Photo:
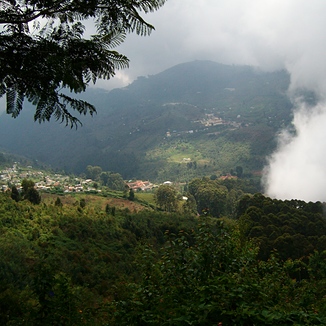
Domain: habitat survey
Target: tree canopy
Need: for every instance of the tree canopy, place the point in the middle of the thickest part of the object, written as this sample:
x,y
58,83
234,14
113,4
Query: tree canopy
x,y
45,49
166,198
211,277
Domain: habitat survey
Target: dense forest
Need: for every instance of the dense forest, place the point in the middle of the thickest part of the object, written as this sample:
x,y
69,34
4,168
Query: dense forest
x,y
225,256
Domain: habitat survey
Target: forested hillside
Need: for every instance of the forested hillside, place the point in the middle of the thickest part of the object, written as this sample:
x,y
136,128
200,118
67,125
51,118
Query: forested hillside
x,y
214,117
86,259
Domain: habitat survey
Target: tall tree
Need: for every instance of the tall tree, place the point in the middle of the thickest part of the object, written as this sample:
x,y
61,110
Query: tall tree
x,y
44,49
166,198
15,195
93,172
210,196
29,191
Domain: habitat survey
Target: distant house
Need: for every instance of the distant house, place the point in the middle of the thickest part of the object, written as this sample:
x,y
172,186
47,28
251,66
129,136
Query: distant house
x,y
139,184
228,177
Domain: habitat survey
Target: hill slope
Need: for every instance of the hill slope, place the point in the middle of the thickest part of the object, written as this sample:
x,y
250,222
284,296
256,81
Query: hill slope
x,y
193,119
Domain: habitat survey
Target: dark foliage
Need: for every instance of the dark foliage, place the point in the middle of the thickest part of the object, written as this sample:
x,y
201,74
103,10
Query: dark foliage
x,y
292,227
28,192
39,59
107,266
210,277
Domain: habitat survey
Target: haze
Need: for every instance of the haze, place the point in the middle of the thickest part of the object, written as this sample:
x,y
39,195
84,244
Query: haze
x,y
271,34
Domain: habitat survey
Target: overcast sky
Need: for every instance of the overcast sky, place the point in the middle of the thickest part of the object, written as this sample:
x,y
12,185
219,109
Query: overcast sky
x,y
271,34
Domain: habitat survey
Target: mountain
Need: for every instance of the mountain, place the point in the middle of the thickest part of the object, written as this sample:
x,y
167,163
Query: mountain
x,y
196,118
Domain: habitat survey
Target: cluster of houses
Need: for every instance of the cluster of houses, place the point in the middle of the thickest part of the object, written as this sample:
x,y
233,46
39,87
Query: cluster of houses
x,y
140,185
210,120
14,175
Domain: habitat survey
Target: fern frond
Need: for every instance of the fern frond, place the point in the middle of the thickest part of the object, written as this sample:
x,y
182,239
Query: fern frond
x,y
150,5
118,60
44,110
112,39
61,113
54,54
80,106
15,101
2,89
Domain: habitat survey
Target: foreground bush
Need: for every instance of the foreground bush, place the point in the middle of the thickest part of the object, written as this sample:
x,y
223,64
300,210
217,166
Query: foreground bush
x,y
210,277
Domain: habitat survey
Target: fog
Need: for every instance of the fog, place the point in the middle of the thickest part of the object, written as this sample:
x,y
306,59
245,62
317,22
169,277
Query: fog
x,y
297,169
271,34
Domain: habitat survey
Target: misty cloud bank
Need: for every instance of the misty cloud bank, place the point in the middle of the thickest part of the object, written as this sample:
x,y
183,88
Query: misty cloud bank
x,y
297,170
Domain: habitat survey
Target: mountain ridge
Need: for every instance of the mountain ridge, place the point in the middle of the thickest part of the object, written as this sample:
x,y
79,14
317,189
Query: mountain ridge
x,y
137,126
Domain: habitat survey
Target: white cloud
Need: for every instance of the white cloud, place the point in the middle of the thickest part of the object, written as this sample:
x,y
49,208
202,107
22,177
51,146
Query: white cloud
x,y
297,169
272,34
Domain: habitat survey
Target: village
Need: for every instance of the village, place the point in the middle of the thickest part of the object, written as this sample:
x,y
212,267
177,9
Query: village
x,y
50,181
14,175
47,181
210,120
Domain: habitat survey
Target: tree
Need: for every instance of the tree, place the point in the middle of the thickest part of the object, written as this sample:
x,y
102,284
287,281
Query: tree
x,y
44,49
58,202
33,196
131,194
112,180
93,172
107,209
210,196
15,195
27,184
29,192
190,206
82,203
166,198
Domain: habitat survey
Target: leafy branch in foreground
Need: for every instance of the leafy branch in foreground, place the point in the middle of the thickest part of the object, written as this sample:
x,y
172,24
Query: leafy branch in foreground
x,y
44,50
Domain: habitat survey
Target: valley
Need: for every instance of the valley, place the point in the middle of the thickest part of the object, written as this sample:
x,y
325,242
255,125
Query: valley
x,y
116,256
219,116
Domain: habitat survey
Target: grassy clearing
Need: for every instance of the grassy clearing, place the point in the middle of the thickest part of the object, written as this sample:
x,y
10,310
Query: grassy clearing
x,y
175,151
147,197
95,202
